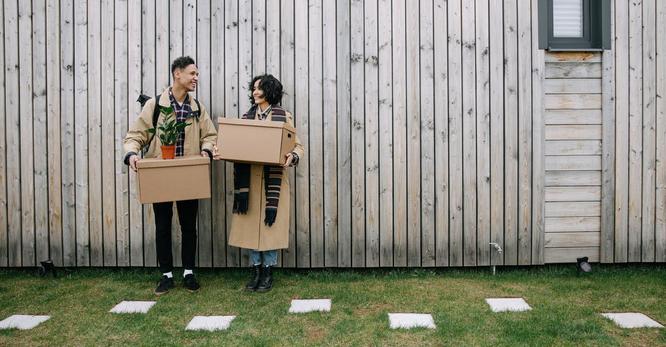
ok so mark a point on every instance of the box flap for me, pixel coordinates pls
(178, 161)
(257, 123)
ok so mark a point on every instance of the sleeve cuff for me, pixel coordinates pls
(127, 156)
(295, 159)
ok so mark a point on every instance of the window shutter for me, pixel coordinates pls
(567, 18)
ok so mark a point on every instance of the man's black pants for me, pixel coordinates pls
(187, 215)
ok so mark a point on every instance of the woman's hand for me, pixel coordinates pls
(216, 154)
(290, 159)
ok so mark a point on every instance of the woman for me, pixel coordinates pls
(261, 208)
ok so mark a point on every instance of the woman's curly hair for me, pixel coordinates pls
(271, 87)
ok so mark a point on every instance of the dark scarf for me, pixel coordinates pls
(272, 176)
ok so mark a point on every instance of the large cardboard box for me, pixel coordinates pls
(183, 178)
(254, 141)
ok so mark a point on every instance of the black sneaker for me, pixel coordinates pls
(190, 283)
(164, 285)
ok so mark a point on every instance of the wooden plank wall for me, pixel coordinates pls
(634, 116)
(573, 117)
(606, 144)
(421, 120)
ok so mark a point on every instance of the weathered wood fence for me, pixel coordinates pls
(422, 121)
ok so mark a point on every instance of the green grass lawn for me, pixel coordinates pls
(565, 307)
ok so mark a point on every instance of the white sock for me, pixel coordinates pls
(168, 274)
(188, 272)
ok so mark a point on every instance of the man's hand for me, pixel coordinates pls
(132, 161)
(290, 158)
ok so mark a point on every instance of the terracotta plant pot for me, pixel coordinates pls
(168, 152)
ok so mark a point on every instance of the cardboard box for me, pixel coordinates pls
(255, 141)
(183, 178)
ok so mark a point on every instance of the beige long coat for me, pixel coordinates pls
(248, 230)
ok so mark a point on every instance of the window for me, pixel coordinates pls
(574, 25)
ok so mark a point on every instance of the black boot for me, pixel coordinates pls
(266, 281)
(254, 282)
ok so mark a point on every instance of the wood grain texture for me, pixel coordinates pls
(4, 249)
(12, 134)
(608, 152)
(635, 131)
(40, 146)
(414, 207)
(511, 133)
(497, 128)
(649, 114)
(315, 124)
(621, 132)
(569, 255)
(399, 136)
(81, 133)
(330, 125)
(660, 203)
(371, 95)
(343, 119)
(483, 128)
(67, 133)
(469, 133)
(431, 128)
(385, 77)
(94, 82)
(456, 224)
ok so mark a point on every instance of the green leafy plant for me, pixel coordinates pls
(169, 129)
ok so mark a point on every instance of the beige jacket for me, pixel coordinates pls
(201, 135)
(248, 230)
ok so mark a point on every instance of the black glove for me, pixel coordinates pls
(241, 203)
(270, 217)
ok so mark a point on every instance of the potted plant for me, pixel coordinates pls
(168, 131)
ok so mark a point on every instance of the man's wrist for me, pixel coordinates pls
(127, 157)
(294, 159)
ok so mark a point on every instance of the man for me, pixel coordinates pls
(197, 139)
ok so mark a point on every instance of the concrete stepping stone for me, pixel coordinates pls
(632, 320)
(22, 321)
(133, 307)
(312, 305)
(411, 320)
(210, 323)
(508, 304)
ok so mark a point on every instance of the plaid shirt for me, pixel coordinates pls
(182, 112)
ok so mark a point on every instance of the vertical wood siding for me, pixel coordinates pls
(634, 135)
(422, 123)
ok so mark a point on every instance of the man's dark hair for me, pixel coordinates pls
(271, 86)
(181, 63)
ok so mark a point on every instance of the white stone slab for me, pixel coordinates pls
(22, 321)
(411, 320)
(210, 323)
(133, 307)
(632, 320)
(508, 304)
(303, 306)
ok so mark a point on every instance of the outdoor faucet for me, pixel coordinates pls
(499, 251)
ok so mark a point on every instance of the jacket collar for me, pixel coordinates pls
(164, 100)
